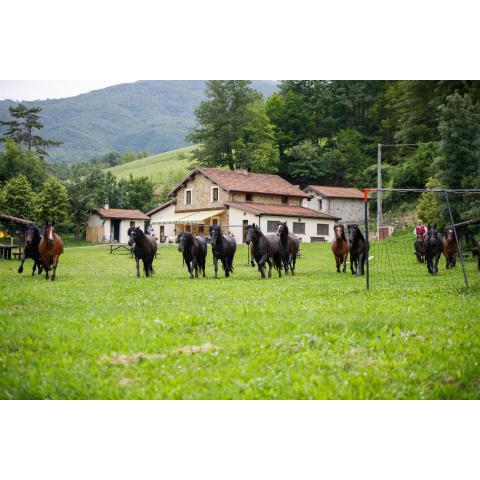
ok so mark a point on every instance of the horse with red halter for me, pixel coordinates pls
(450, 248)
(50, 248)
(340, 247)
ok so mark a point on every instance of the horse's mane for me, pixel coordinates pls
(359, 233)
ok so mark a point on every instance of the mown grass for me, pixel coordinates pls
(99, 332)
(162, 169)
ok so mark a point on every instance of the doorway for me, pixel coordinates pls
(116, 230)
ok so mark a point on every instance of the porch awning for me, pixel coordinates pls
(200, 217)
(189, 217)
(174, 218)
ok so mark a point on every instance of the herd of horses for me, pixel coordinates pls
(44, 249)
(277, 251)
(430, 246)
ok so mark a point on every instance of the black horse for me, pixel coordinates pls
(265, 249)
(144, 248)
(223, 248)
(194, 250)
(289, 247)
(419, 248)
(433, 245)
(358, 250)
(30, 249)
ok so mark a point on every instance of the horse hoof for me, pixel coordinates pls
(20, 269)
(52, 279)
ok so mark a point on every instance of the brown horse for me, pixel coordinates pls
(450, 248)
(340, 247)
(50, 248)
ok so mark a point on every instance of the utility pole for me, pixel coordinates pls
(379, 186)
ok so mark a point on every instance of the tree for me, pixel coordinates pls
(430, 206)
(458, 164)
(14, 161)
(139, 193)
(81, 199)
(226, 120)
(18, 199)
(54, 203)
(22, 129)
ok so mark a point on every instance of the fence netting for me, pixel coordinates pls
(396, 260)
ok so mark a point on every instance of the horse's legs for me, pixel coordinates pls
(225, 266)
(20, 268)
(269, 267)
(337, 263)
(251, 254)
(34, 267)
(189, 267)
(437, 258)
(137, 260)
(345, 263)
(360, 264)
(351, 265)
(292, 266)
(54, 266)
(195, 266)
(215, 265)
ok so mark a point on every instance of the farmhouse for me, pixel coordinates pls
(346, 203)
(111, 224)
(234, 199)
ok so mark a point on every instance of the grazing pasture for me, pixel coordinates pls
(100, 332)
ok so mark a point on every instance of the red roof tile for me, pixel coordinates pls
(280, 210)
(121, 213)
(336, 192)
(241, 181)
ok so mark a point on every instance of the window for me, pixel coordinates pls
(188, 197)
(285, 200)
(299, 228)
(214, 194)
(248, 197)
(322, 228)
(320, 204)
(272, 225)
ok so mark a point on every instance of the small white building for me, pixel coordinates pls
(345, 203)
(112, 224)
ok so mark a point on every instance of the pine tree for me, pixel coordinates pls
(18, 199)
(22, 129)
(54, 203)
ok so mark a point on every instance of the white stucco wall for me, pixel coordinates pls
(235, 222)
(95, 220)
(167, 212)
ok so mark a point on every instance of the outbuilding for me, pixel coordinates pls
(112, 224)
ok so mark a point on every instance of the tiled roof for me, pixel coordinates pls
(241, 181)
(280, 210)
(336, 192)
(121, 213)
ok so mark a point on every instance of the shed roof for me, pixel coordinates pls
(336, 192)
(280, 210)
(121, 213)
(242, 181)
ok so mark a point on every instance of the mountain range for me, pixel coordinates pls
(151, 115)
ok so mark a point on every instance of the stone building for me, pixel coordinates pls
(345, 203)
(235, 199)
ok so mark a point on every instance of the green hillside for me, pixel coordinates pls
(163, 169)
(151, 115)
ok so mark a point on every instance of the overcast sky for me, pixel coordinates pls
(42, 89)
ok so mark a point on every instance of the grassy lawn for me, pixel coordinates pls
(160, 169)
(99, 332)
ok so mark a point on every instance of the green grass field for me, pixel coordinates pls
(162, 169)
(99, 332)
